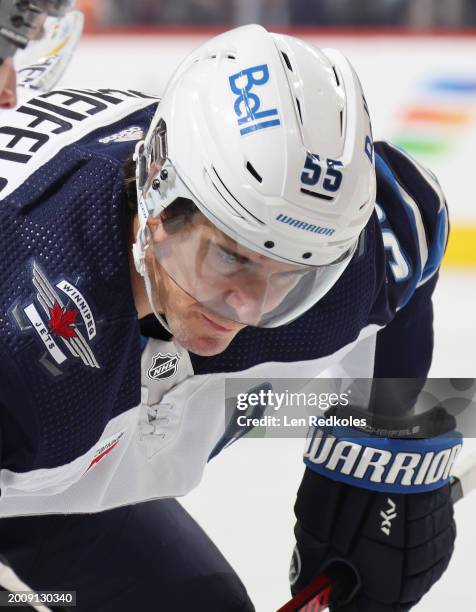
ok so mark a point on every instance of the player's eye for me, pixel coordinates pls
(224, 261)
(228, 258)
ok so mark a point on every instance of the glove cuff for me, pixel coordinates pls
(383, 464)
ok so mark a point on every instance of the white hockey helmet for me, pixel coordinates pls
(271, 139)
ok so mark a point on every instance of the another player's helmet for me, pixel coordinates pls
(54, 8)
(271, 139)
(20, 21)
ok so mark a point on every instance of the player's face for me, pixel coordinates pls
(195, 327)
(221, 288)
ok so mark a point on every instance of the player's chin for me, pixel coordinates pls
(208, 345)
(207, 334)
(204, 335)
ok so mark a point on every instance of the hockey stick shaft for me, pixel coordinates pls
(314, 598)
(463, 479)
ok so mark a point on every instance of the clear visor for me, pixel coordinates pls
(227, 279)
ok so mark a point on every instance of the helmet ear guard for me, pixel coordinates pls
(149, 152)
(142, 157)
(155, 180)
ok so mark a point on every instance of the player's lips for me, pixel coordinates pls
(216, 326)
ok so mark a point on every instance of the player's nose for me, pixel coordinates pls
(247, 300)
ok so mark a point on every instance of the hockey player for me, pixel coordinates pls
(252, 213)
(21, 22)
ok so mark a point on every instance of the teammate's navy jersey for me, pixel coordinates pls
(92, 416)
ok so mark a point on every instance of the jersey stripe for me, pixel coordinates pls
(437, 249)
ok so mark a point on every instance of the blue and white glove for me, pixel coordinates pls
(380, 506)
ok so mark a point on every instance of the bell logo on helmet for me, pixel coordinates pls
(247, 104)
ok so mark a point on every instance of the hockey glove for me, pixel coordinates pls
(381, 507)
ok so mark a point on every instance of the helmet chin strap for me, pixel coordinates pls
(148, 289)
(139, 249)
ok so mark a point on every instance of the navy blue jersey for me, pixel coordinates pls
(91, 417)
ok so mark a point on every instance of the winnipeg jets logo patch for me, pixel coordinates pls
(163, 366)
(61, 319)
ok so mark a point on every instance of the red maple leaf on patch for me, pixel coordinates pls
(62, 320)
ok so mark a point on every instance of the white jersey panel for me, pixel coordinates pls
(160, 448)
(41, 125)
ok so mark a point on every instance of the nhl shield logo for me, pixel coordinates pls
(163, 366)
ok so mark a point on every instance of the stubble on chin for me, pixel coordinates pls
(196, 340)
